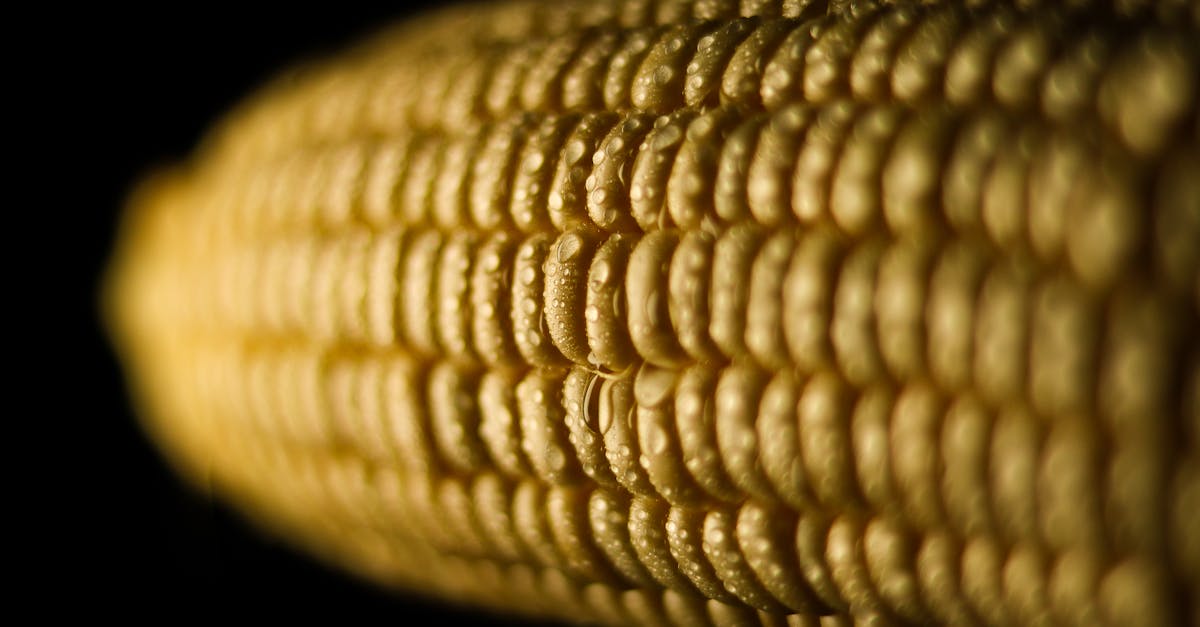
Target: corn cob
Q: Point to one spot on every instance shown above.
(705, 312)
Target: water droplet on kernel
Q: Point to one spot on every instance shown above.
(668, 136)
(569, 247)
(574, 151)
(600, 273)
(528, 275)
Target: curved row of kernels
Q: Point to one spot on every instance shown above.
(526, 171)
(718, 436)
(859, 168)
(888, 575)
(443, 180)
(872, 309)
(387, 88)
(822, 164)
(862, 168)
(390, 409)
(902, 53)
(601, 75)
(710, 435)
(444, 522)
(527, 522)
(466, 519)
(843, 561)
(879, 308)
(547, 592)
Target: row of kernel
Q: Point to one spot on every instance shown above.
(487, 523)
(502, 64)
(529, 171)
(493, 523)
(544, 548)
(377, 405)
(551, 527)
(389, 409)
(874, 309)
(899, 53)
(864, 168)
(324, 288)
(876, 567)
(976, 311)
(1097, 252)
(706, 435)
(747, 449)
(905, 52)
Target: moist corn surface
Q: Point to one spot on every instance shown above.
(671, 312)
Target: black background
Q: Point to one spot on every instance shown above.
(115, 92)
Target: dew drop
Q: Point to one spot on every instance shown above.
(668, 136)
(574, 151)
(528, 275)
(555, 460)
(663, 75)
(534, 162)
(601, 272)
(569, 247)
